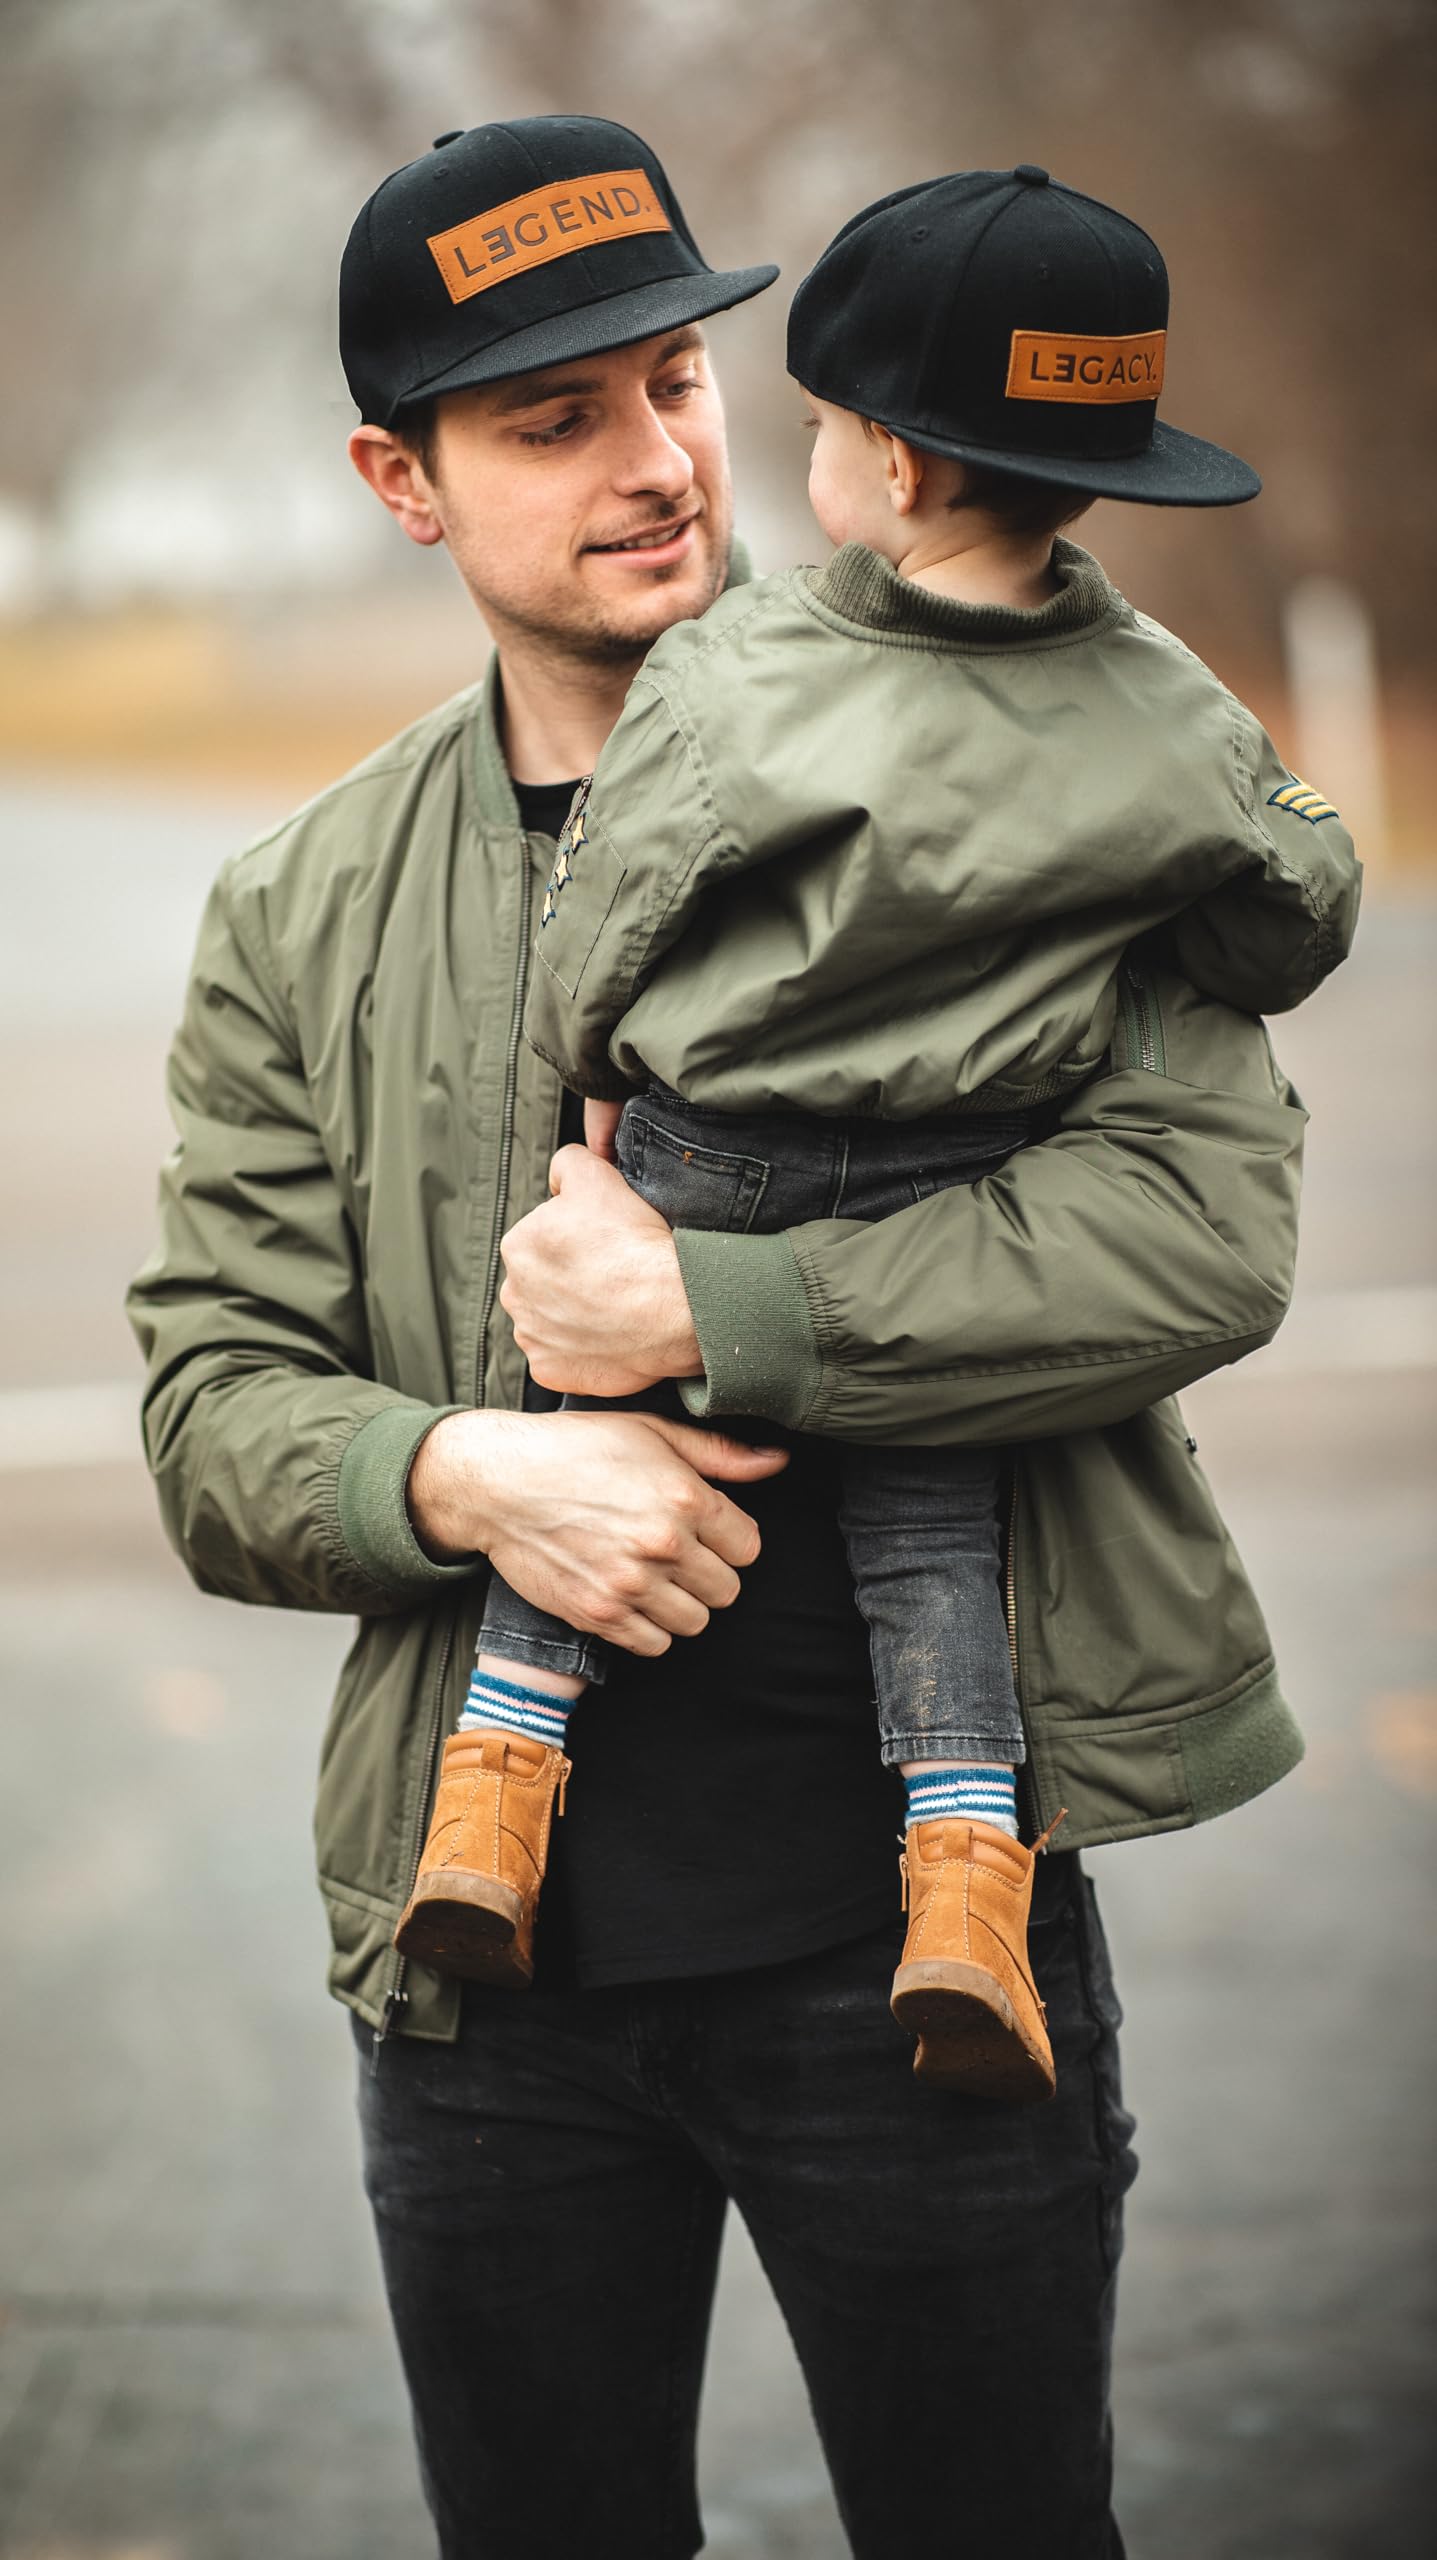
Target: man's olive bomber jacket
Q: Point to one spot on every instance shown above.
(358, 1121)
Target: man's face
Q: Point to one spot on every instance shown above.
(589, 505)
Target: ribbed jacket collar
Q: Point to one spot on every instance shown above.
(859, 586)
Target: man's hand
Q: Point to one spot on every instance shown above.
(601, 1128)
(594, 1288)
(603, 1519)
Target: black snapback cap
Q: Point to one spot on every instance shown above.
(1000, 318)
(512, 246)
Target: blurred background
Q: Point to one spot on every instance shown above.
(203, 617)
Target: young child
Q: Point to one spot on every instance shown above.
(841, 916)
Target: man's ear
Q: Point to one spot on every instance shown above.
(397, 478)
(904, 472)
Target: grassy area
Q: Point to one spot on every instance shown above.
(203, 699)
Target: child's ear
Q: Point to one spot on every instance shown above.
(904, 471)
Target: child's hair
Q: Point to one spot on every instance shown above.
(1017, 504)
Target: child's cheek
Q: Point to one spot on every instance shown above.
(825, 501)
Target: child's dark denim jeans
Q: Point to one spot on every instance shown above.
(920, 1525)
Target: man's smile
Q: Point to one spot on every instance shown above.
(657, 542)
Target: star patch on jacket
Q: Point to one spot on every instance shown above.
(1302, 800)
(572, 835)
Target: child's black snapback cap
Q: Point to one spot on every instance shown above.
(1002, 319)
(514, 246)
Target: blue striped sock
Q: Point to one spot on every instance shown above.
(965, 1795)
(536, 1713)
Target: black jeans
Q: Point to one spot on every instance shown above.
(549, 2195)
(920, 1525)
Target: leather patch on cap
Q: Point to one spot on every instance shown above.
(1049, 364)
(547, 223)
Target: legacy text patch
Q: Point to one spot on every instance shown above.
(1049, 364)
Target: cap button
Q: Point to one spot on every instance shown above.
(441, 138)
(1029, 175)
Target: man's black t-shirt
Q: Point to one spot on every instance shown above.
(543, 806)
(728, 1807)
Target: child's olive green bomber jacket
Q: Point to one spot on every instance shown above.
(358, 1120)
(856, 847)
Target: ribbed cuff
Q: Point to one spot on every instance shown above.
(751, 1315)
(373, 1514)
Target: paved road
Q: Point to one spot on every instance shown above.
(194, 2363)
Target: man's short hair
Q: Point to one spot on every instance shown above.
(416, 427)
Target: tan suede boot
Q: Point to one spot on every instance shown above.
(477, 1891)
(964, 1986)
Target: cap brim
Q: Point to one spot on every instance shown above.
(1177, 470)
(596, 328)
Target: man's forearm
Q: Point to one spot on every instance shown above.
(1148, 1241)
(279, 1458)
(839, 1358)
(286, 1489)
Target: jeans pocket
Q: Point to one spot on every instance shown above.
(690, 1184)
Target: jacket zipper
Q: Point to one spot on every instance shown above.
(1141, 1020)
(395, 1997)
(506, 1129)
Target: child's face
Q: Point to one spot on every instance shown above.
(847, 480)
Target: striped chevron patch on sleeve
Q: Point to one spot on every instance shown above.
(1300, 798)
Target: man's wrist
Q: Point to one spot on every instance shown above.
(677, 1353)
(447, 1493)
(374, 1520)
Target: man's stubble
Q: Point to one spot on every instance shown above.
(563, 623)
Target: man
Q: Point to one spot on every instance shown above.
(336, 1419)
